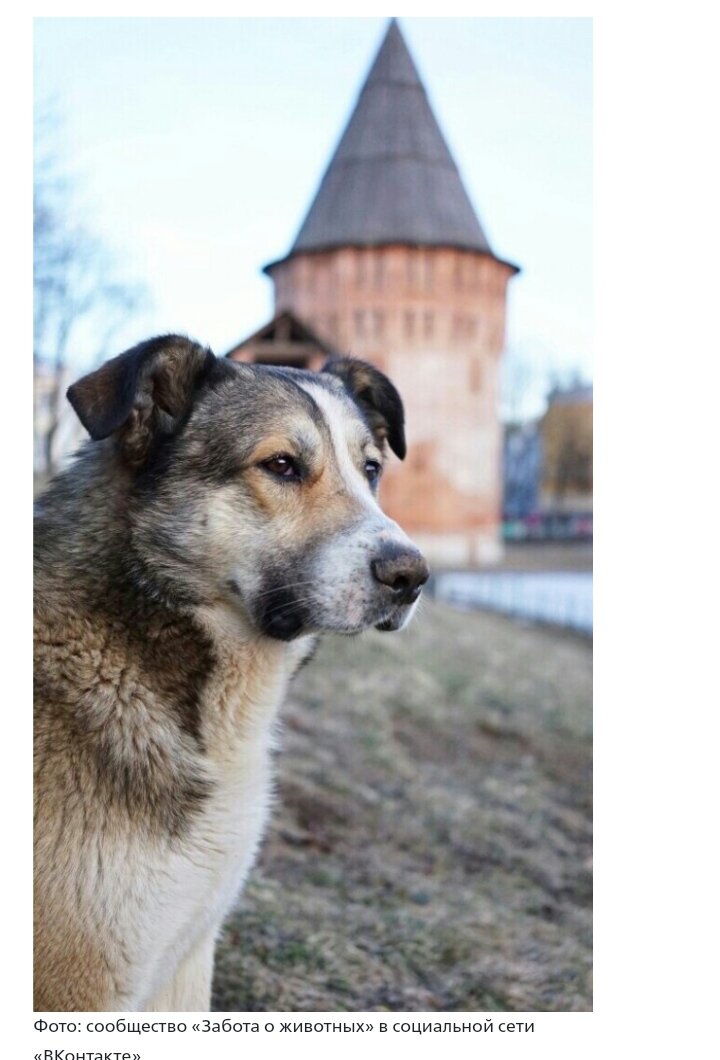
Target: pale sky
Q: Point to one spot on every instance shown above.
(196, 146)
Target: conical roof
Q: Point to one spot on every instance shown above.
(392, 178)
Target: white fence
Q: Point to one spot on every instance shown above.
(563, 598)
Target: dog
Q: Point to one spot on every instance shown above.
(220, 519)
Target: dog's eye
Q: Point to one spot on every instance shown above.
(372, 471)
(283, 466)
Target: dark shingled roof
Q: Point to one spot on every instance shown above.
(392, 178)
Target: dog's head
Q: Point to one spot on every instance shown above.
(257, 485)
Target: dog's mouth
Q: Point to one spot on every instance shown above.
(287, 624)
(282, 616)
(397, 619)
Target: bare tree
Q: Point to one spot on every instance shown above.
(526, 375)
(79, 300)
(517, 383)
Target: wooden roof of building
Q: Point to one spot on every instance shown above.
(283, 340)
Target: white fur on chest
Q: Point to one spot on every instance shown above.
(198, 878)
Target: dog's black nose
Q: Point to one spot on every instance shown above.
(402, 570)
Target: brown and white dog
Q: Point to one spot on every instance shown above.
(222, 517)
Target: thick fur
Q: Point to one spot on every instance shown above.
(180, 582)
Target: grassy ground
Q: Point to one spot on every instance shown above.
(430, 848)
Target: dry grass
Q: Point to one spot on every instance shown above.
(430, 847)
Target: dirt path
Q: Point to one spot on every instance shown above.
(430, 849)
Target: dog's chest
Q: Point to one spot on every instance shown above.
(213, 857)
(201, 872)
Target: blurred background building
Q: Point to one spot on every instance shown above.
(547, 470)
(392, 265)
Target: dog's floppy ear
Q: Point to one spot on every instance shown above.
(143, 392)
(376, 396)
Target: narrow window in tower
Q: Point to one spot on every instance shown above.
(360, 263)
(332, 326)
(296, 274)
(378, 323)
(471, 328)
(379, 270)
(459, 272)
(360, 323)
(429, 324)
(412, 269)
(429, 271)
(475, 376)
(409, 324)
(332, 277)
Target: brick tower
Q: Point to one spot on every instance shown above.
(391, 264)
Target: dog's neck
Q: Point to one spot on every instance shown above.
(235, 639)
(85, 538)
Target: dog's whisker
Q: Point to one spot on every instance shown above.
(278, 589)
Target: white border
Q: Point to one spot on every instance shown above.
(656, 732)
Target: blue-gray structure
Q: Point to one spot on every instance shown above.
(522, 462)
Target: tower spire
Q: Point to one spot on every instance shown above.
(392, 178)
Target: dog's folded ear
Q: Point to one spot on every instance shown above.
(142, 393)
(377, 398)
